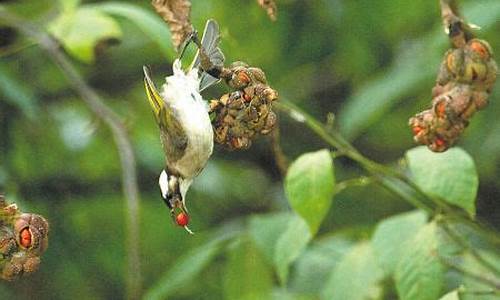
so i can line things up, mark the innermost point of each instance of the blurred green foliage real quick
(372, 62)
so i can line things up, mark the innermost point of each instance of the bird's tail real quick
(211, 57)
(155, 100)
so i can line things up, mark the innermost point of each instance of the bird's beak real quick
(182, 217)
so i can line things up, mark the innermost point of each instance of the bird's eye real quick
(25, 237)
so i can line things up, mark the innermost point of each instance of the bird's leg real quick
(205, 62)
(192, 37)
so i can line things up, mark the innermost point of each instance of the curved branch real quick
(122, 141)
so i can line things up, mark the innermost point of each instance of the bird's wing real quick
(210, 43)
(172, 133)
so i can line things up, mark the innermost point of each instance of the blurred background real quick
(371, 63)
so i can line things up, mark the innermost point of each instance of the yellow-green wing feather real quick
(172, 134)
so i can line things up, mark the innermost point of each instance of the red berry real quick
(246, 97)
(243, 77)
(439, 142)
(25, 238)
(480, 49)
(416, 130)
(441, 109)
(182, 219)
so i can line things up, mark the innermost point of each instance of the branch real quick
(387, 177)
(478, 277)
(459, 240)
(454, 26)
(113, 121)
(279, 156)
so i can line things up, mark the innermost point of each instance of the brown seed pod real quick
(32, 232)
(176, 14)
(20, 264)
(464, 81)
(241, 116)
(23, 239)
(8, 243)
(472, 64)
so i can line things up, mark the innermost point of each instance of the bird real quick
(182, 115)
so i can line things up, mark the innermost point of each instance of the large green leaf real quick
(246, 274)
(419, 273)
(265, 231)
(453, 295)
(309, 186)
(317, 262)
(391, 236)
(148, 22)
(185, 269)
(81, 30)
(450, 176)
(290, 245)
(357, 276)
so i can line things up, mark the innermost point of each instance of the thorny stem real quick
(123, 143)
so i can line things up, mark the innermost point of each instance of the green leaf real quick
(450, 175)
(246, 274)
(186, 268)
(453, 295)
(309, 186)
(469, 285)
(317, 262)
(357, 276)
(392, 235)
(148, 22)
(69, 5)
(419, 273)
(265, 231)
(81, 30)
(290, 245)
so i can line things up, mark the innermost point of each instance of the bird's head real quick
(173, 191)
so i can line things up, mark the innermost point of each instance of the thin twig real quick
(386, 175)
(488, 281)
(123, 144)
(458, 31)
(462, 243)
(360, 181)
(279, 156)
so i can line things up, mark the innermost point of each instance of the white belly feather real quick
(181, 92)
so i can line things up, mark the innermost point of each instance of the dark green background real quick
(58, 159)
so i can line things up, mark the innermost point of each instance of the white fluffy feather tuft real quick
(163, 182)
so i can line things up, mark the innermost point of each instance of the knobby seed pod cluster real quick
(464, 83)
(240, 116)
(23, 239)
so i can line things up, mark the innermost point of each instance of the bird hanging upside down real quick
(182, 116)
